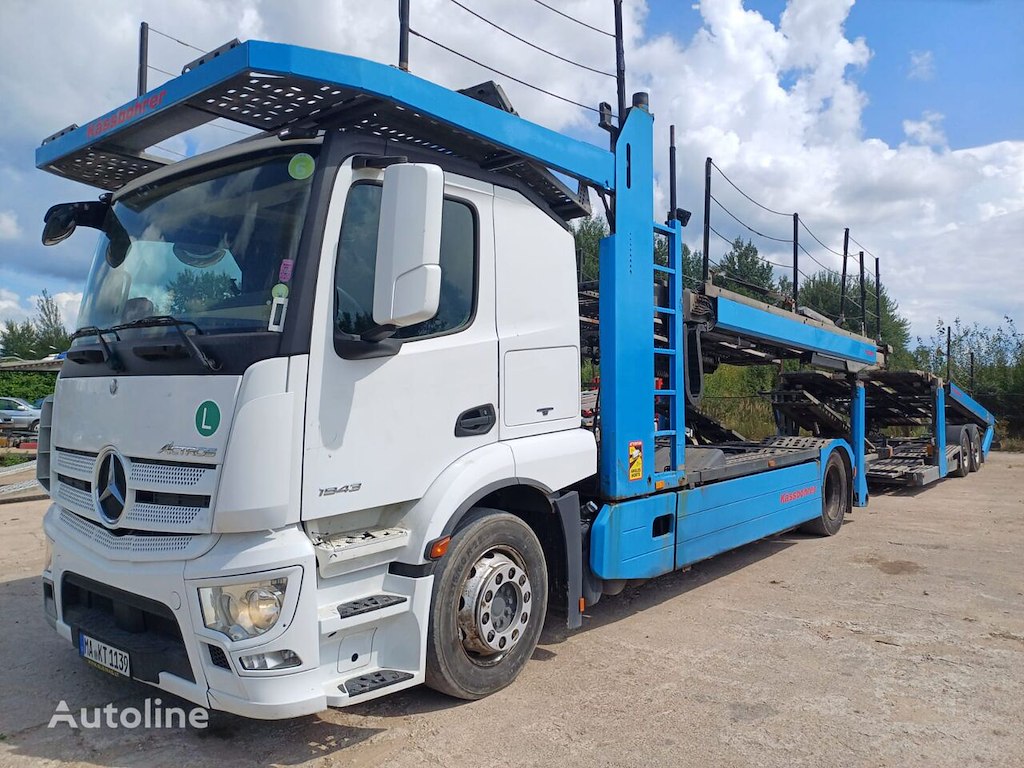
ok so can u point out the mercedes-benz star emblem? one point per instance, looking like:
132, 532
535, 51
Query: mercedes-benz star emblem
113, 386
111, 487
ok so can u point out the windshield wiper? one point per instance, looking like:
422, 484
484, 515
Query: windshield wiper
156, 321
108, 355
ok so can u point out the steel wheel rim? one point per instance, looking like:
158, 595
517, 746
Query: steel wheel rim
495, 606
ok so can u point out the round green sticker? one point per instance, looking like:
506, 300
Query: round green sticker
279, 291
207, 418
301, 166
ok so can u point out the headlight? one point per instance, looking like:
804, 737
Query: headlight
241, 611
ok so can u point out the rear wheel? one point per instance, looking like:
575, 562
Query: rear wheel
975, 463
965, 455
488, 606
835, 499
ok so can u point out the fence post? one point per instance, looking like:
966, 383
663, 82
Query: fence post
878, 301
403, 35
863, 298
143, 57
707, 217
796, 261
842, 286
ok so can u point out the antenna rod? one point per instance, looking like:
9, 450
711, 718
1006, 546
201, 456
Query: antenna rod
143, 57
620, 63
671, 173
403, 35
842, 286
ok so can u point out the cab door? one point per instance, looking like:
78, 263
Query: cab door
380, 429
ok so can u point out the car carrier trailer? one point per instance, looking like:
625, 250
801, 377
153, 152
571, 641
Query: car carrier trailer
319, 436
958, 431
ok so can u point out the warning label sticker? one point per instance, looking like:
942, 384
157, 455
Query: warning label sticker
636, 460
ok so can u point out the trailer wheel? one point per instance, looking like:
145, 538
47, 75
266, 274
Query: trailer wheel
488, 606
835, 499
965, 454
975, 463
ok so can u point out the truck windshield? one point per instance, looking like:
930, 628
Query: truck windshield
215, 247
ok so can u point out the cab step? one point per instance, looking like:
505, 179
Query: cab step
382, 678
368, 604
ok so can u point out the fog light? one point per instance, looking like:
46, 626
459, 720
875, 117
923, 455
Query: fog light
49, 604
271, 660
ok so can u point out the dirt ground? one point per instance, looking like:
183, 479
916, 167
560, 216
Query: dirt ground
898, 642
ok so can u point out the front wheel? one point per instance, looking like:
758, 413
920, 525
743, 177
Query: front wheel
34, 426
488, 606
835, 499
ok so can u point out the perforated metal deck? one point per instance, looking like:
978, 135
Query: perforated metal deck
268, 87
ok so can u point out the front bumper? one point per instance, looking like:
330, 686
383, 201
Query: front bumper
151, 609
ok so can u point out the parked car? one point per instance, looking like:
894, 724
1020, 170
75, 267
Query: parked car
20, 412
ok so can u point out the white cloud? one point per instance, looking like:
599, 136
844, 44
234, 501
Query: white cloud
775, 105
10, 306
9, 229
922, 65
927, 130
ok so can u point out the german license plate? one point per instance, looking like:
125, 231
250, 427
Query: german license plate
104, 656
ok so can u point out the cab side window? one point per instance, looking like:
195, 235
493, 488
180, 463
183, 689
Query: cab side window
357, 251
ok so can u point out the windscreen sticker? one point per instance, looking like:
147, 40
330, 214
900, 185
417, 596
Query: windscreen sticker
207, 418
636, 460
301, 166
285, 273
279, 291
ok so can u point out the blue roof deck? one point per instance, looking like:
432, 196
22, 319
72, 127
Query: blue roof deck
273, 87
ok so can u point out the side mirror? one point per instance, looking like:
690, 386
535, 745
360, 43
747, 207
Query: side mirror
59, 223
62, 219
407, 280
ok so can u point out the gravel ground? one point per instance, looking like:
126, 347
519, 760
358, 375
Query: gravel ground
898, 642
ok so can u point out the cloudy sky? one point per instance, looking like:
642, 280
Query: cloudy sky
901, 119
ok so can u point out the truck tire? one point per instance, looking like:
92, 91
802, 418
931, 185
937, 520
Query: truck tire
963, 467
835, 498
975, 435
488, 606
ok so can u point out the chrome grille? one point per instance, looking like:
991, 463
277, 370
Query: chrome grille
127, 546
168, 474
76, 463
163, 496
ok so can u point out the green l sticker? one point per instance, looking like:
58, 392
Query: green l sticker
207, 418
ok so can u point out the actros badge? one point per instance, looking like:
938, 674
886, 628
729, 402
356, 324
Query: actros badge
352, 488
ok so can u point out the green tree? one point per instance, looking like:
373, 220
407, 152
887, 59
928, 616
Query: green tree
821, 292
998, 366
742, 271
19, 340
195, 291
52, 335
588, 233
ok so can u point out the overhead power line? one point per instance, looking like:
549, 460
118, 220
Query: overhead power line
808, 229
869, 253
161, 71
755, 202
812, 258
573, 18
499, 72
747, 226
532, 45
172, 37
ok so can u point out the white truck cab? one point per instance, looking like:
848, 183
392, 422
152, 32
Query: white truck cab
264, 511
